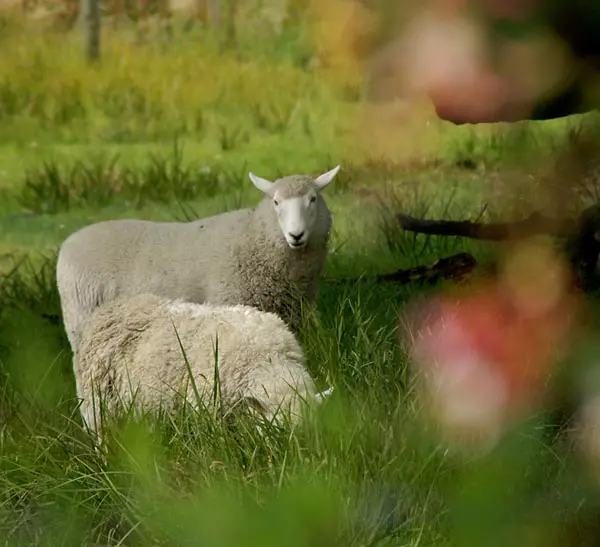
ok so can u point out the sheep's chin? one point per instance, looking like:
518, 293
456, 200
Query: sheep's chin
296, 246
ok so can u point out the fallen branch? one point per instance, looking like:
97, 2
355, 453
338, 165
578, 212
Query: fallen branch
452, 267
582, 235
535, 224
582, 246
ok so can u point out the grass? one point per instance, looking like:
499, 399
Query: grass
168, 132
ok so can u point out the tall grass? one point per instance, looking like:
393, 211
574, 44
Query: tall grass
245, 103
260, 489
144, 93
362, 470
51, 188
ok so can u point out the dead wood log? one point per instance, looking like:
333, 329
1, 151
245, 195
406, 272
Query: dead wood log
581, 245
535, 224
581, 236
453, 267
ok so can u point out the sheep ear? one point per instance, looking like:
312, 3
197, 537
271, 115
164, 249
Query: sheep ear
324, 179
255, 404
323, 395
262, 184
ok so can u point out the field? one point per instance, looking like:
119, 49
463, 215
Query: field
167, 129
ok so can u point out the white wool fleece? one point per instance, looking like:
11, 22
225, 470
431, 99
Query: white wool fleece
269, 256
130, 346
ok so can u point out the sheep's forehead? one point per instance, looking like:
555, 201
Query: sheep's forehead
294, 186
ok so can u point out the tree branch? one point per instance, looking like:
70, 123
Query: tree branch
535, 224
450, 267
581, 245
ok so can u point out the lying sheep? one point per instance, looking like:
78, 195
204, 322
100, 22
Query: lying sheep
131, 352
264, 256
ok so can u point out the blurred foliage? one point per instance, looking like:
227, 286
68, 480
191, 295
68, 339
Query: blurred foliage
365, 469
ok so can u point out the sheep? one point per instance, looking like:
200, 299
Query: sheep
133, 354
269, 256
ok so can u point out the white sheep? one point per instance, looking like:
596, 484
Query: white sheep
266, 256
132, 351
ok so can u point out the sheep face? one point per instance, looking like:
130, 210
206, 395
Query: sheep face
296, 202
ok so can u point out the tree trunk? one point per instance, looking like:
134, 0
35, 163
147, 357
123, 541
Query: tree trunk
230, 34
215, 15
90, 10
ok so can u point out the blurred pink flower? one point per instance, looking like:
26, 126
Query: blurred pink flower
509, 9
484, 358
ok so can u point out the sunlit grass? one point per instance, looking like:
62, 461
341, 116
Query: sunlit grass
80, 144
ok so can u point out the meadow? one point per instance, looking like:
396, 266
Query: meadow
167, 128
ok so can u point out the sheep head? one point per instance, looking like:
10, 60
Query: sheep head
296, 201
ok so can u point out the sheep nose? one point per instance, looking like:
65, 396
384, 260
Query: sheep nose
297, 237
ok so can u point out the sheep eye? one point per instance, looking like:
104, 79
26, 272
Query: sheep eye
275, 202
313, 199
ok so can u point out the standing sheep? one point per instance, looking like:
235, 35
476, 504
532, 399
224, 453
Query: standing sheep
264, 256
130, 352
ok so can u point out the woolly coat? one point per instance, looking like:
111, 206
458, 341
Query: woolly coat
238, 257
130, 352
